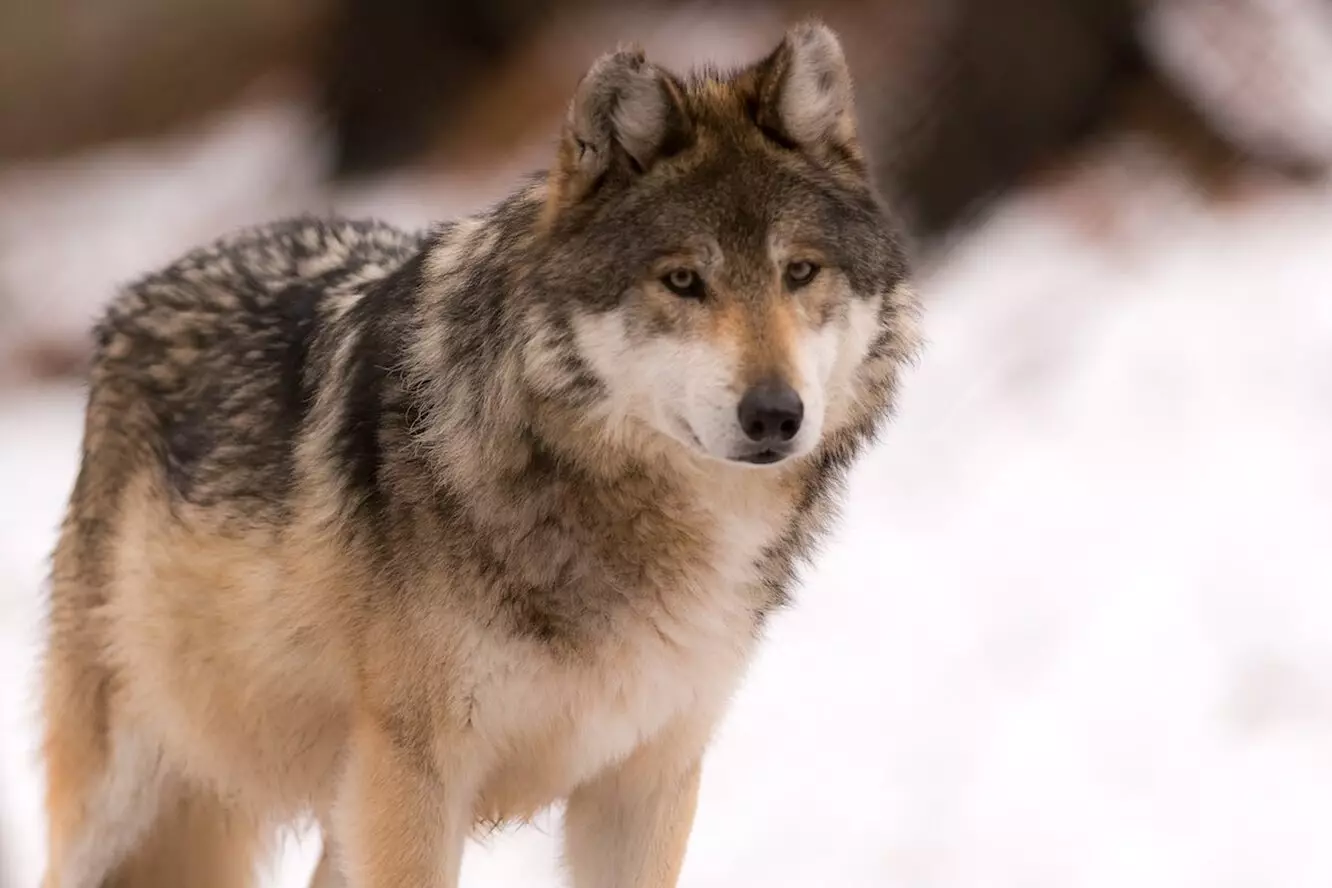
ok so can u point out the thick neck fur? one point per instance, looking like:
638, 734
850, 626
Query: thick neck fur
490, 365
464, 404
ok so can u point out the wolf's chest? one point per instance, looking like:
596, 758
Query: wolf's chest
641, 659
559, 724
746, 515
677, 652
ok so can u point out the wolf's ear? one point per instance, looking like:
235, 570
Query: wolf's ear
625, 116
805, 94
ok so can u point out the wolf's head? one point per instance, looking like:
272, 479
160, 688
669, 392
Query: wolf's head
715, 250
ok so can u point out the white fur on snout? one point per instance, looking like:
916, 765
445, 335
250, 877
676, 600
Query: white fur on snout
686, 389
681, 388
827, 359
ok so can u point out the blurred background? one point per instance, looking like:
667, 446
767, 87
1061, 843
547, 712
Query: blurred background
1076, 626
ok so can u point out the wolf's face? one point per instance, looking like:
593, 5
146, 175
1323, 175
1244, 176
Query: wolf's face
720, 254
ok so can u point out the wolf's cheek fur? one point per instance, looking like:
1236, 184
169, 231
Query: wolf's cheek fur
685, 387
680, 387
830, 356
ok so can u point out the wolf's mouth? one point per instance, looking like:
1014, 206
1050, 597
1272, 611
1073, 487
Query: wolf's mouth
764, 457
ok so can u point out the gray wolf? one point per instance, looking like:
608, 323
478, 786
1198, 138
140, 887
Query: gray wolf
415, 533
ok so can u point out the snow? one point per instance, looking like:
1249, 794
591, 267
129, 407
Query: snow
1073, 629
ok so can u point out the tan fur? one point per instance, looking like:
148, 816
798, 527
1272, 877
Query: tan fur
547, 728
533, 595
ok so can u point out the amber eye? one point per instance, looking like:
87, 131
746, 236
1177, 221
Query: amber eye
684, 282
799, 273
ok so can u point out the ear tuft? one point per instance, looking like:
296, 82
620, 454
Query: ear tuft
807, 94
624, 108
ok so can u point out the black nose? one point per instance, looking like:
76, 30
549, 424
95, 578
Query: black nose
770, 413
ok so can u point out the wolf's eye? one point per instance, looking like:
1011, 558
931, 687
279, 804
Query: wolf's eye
799, 273
684, 282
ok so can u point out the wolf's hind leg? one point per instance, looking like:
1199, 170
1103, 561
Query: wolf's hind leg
328, 873
195, 840
103, 788
116, 817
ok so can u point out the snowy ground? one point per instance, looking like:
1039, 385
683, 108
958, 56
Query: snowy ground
1076, 629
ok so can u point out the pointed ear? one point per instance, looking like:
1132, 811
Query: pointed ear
805, 93
626, 115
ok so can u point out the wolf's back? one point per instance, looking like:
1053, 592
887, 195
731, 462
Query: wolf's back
205, 369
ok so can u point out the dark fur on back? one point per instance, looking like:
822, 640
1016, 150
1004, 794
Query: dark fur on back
396, 361
220, 350
416, 531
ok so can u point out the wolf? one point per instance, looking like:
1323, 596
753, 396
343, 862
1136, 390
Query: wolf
408, 534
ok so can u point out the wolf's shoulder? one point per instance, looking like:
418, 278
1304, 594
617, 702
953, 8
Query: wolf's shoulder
328, 252
222, 346
257, 275
305, 246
